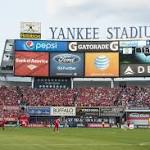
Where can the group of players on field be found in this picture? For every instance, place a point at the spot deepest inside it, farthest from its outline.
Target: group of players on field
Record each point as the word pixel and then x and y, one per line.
pixel 56 124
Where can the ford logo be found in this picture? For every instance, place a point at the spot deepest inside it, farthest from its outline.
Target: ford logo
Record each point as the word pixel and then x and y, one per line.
pixel 66 58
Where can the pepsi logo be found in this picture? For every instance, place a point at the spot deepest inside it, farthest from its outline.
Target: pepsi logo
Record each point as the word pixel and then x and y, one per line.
pixel 29 44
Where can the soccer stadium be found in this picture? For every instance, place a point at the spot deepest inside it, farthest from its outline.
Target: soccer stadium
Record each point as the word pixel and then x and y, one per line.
pixel 99 90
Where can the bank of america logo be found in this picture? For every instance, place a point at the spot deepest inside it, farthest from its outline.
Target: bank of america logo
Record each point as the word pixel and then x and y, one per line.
pixel 102 62
pixel 31 67
pixel 128 71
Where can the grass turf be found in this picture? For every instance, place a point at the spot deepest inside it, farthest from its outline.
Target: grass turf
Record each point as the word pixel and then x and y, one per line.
pixel 74 139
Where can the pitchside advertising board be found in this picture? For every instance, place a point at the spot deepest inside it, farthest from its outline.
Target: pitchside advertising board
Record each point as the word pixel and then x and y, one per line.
pixel 134 58
pixel 111 111
pixel 67 64
pixel 87 111
pixel 63 111
pixel 139 118
pixel 51 111
pixel 38 111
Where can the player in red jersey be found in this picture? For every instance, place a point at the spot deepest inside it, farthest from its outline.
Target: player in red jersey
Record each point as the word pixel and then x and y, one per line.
pixel 56 124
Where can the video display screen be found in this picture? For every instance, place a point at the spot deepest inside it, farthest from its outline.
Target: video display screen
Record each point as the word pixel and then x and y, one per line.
pixel 31 64
pixel 67 64
pixel 102 64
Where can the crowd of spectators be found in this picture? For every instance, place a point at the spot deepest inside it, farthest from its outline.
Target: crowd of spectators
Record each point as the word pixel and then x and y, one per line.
pixel 12 97
pixel 92 96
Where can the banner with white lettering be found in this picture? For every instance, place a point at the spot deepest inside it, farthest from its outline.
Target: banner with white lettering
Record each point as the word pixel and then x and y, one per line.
pixel 138 118
pixel 63 111
pixel 96 46
pixel 134 70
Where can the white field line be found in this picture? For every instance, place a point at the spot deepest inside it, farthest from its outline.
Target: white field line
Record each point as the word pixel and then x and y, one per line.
pixel 74 144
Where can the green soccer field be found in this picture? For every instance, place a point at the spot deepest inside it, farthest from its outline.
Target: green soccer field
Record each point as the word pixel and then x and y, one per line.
pixel 74 139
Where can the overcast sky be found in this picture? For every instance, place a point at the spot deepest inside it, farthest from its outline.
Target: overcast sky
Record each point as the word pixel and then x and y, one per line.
pixel 72 13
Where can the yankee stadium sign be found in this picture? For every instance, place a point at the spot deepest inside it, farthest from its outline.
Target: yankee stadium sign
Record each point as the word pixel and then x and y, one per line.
pixel 95 33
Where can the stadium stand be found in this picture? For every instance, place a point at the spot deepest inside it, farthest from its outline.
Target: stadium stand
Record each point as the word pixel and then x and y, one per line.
pixel 95 96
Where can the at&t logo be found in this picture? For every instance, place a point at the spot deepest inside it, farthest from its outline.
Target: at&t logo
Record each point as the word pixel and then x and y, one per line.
pixel 102 62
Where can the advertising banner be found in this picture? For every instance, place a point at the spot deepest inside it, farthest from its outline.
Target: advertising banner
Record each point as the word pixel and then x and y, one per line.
pixel 139 115
pixel 41 45
pixel 67 64
pixel 31 64
pixel 97 125
pixel 15 118
pixel 38 125
pixel 30 30
pixel 38 111
pixel 88 111
pixel 139 118
pixel 75 121
pixel 30 35
pixel 99 46
pixel 111 111
pixel 30 27
pixel 134 70
pixel 135 61
pixel 63 111
pixel 11 108
pixel 102 64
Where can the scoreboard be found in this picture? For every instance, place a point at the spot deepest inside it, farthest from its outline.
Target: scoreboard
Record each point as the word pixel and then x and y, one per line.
pixel 55 59
pixel 59 83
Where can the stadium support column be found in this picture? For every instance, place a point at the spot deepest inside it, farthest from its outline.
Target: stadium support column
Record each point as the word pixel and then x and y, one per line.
pixel 71 83
pixel 112 83
pixel 32 82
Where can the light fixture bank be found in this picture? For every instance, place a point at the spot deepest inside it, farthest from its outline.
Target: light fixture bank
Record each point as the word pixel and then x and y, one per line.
pixel 95 33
